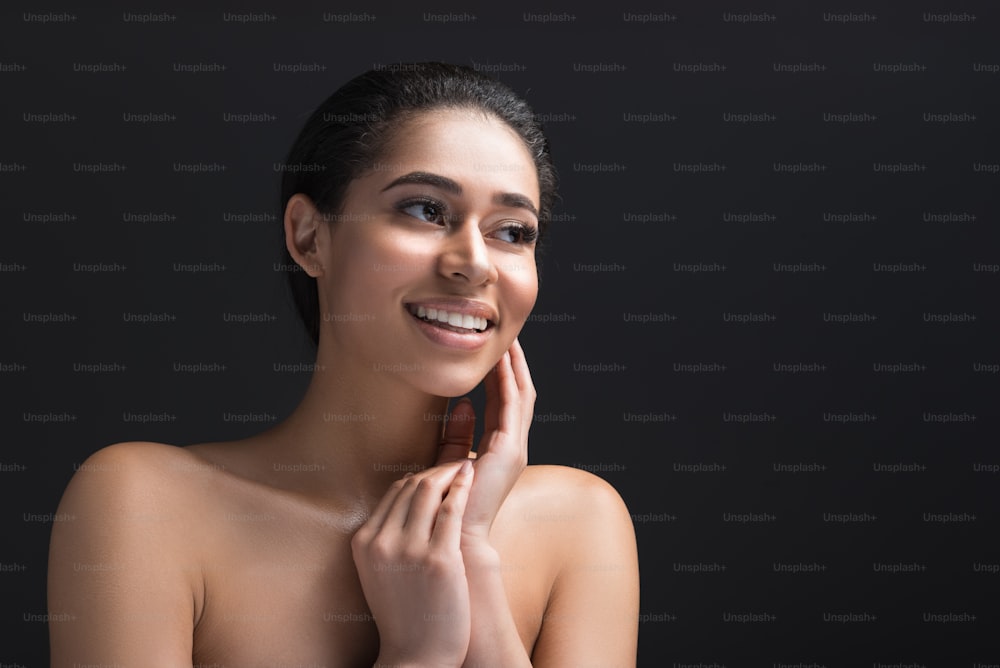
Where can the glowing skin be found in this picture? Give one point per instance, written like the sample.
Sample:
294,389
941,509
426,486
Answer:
267,550
390,249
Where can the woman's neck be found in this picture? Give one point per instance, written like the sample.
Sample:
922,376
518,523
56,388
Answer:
354,432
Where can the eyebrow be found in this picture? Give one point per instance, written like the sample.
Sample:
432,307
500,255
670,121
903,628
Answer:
515,200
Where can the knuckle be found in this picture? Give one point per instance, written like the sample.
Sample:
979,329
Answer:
441,473
358,544
380,547
448,510
410,554
439,563
504,446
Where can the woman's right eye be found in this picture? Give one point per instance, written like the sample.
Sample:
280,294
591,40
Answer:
426,210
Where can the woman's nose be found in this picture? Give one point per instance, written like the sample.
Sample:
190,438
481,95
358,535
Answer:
465,256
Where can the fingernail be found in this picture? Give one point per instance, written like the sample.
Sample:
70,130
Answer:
466,467
408,474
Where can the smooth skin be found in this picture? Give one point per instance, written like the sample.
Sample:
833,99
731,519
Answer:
305,544
409,558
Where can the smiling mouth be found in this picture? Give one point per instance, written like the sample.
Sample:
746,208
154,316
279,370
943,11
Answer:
451,321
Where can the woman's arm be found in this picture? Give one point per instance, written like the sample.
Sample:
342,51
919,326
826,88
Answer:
593,610
502,457
119,589
592,617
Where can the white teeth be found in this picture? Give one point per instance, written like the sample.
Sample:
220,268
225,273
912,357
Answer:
454,319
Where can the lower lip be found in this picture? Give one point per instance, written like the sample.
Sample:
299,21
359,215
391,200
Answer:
450,339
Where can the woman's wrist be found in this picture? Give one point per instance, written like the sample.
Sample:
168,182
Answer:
389,662
479,557
494,640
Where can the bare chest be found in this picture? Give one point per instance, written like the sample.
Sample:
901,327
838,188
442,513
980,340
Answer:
281,591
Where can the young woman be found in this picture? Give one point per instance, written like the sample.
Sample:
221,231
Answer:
413,202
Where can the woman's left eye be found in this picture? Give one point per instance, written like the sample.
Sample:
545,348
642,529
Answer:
518,233
424,210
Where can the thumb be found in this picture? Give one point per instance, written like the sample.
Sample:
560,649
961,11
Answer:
458,433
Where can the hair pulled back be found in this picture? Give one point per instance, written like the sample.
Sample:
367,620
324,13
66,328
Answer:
352,129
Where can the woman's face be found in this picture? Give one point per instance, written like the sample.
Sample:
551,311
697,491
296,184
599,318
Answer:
442,228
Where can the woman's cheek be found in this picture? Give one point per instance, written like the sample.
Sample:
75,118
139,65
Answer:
523,286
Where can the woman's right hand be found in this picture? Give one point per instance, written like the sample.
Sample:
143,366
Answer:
409,560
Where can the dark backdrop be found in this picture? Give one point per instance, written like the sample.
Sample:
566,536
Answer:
768,312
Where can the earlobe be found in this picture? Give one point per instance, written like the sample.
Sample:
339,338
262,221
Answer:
301,223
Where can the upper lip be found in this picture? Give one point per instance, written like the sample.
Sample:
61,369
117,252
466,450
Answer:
457,305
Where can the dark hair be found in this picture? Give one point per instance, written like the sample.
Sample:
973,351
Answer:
349,132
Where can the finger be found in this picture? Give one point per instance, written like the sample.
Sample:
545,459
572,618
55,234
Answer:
492,386
377,517
503,451
520,366
506,410
447,531
395,519
499,393
426,501
459,431
522,375
397,516
510,407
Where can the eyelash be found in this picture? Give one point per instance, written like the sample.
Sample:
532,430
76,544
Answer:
528,232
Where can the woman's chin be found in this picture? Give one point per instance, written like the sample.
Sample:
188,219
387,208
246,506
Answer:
450,385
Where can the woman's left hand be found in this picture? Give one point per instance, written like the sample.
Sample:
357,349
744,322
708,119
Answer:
503,452
501,458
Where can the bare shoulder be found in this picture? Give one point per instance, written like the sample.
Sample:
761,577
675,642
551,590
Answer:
118,566
567,509
138,456
139,469
153,489
137,487
569,489
592,606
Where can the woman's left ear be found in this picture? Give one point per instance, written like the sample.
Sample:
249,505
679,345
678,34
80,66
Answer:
302,221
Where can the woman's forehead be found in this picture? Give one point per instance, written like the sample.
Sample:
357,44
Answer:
463,145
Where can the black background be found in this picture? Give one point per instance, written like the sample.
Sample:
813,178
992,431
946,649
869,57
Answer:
615,291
